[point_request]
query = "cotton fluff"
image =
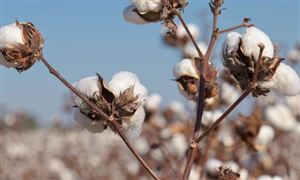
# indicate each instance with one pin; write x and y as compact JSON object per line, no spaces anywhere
{"x":209,"y":117}
{"x":212,"y":166}
{"x":267,"y":177}
{"x":265,"y":135}
{"x":87,"y":86}
{"x":10,"y":35}
{"x":293,"y":55}
{"x":178,"y":145}
{"x":132,"y":16}
{"x":231,"y":44}
{"x":123,"y":80}
{"x":191,"y":51}
{"x":250,"y":40}
{"x":280,"y":116}
{"x":293,"y":102}
{"x":285,"y":81}
{"x":185,"y":68}
{"x":84,"y":121}
{"x":181,"y":32}
{"x":134,"y":127}
{"x":153,"y":102}
{"x":229,"y":94}
{"x":144,"y":6}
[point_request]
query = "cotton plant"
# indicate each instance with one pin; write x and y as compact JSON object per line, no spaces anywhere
{"x":242,"y":53}
{"x":21,"y":45}
{"x":122,"y":99}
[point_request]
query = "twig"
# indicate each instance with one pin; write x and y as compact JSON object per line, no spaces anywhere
{"x":222,"y":117}
{"x":114,"y":124}
{"x":244,"y":24}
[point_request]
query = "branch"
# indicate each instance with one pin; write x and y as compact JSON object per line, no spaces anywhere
{"x":114,"y":124}
{"x":244,"y":24}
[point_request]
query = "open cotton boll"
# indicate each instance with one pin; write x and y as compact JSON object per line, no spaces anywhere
{"x":124,"y":80}
{"x":141,"y":145}
{"x":250,"y":40}
{"x":88,"y":86}
{"x":232,"y":165}
{"x":265,"y":135}
{"x":94,"y":126}
{"x":297,"y":128}
{"x":264,"y":177}
{"x":212,"y":166}
{"x":293,"y":103}
{"x":133,"y":128}
{"x":280,"y":116}
{"x":185,"y":68}
{"x":153,"y":102}
{"x":195,"y":173}
{"x":293,"y":55}
{"x":285,"y":81}
{"x":244,"y":174}
{"x":191,"y":51}
{"x":231,"y":44}
{"x":132,"y":16}
{"x":181,"y":32}
{"x":144,"y":6}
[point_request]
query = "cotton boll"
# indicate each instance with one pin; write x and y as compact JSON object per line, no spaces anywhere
{"x":153,"y":102}
{"x":94,"y":126}
{"x":10,"y":35}
{"x":144,"y":6}
{"x":179,"y":145}
{"x":243,"y":174}
{"x":232,"y":165}
{"x":229,"y":94}
{"x":231,"y":44}
{"x":195,"y":173}
{"x":123,"y":80}
{"x":133,"y":128}
{"x":293,"y":102}
{"x":185,"y":68}
{"x":132,"y":16}
{"x":280,"y":116}
{"x":297,"y":128}
{"x":265,"y":135}
{"x":87,"y":86}
{"x":277,"y":178}
{"x":181,"y":32}
{"x":250,"y":40}
{"x":285,"y":81}
{"x":212,"y":165}
{"x":191,"y":51}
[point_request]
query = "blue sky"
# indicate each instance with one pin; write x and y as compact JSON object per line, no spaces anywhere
{"x":85,"y":37}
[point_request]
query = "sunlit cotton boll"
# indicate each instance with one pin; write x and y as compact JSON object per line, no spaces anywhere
{"x":209,"y":117}
{"x":280,"y":116}
{"x":144,"y":6}
{"x":293,"y":55}
{"x":250,"y":40}
{"x":21,"y":45}
{"x":94,"y":126}
{"x":265,"y":135}
{"x":119,"y":83}
{"x":185,"y":68}
{"x":181,"y":32}
{"x":229,"y":94}
{"x":130,"y":15}
{"x":191,"y":51}
{"x":179,"y":145}
{"x":285,"y":81}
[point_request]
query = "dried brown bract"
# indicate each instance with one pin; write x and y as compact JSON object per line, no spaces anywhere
{"x":227,"y":174}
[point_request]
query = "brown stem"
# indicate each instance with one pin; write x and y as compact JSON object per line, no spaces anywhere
{"x":178,"y":14}
{"x":221,"y":118}
{"x":235,"y":28}
{"x":114,"y":124}
{"x":258,"y":65}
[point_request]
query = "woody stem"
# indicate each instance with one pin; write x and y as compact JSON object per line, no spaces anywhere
{"x":112,"y":122}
